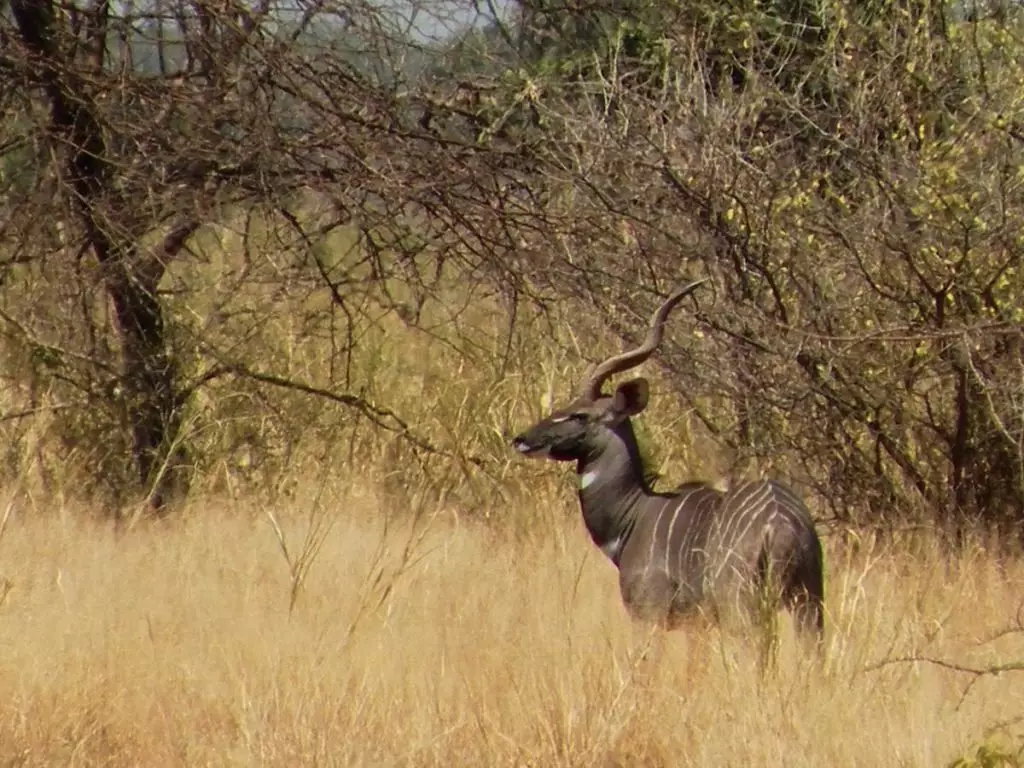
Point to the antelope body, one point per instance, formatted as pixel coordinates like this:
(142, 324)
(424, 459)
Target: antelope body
(692, 550)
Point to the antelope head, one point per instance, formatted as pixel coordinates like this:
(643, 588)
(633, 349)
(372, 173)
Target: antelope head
(581, 429)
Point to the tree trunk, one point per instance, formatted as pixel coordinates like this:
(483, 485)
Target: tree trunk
(131, 277)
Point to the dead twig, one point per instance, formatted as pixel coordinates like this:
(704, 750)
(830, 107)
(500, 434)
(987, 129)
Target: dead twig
(977, 673)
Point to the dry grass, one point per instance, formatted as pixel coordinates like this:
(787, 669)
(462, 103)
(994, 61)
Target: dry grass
(438, 642)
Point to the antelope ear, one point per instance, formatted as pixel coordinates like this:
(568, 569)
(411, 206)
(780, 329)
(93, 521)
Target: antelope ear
(631, 397)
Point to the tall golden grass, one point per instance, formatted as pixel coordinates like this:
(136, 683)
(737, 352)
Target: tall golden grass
(430, 639)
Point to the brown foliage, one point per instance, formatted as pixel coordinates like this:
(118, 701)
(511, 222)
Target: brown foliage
(139, 127)
(860, 216)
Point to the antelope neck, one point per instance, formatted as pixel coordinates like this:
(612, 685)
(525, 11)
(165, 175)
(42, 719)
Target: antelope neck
(611, 486)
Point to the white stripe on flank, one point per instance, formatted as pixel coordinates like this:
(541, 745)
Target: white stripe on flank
(611, 548)
(738, 525)
(671, 527)
(654, 539)
(587, 479)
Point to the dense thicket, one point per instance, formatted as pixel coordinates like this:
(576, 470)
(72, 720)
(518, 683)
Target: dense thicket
(848, 172)
(851, 176)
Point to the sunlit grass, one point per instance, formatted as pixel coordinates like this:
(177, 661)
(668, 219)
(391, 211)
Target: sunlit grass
(428, 640)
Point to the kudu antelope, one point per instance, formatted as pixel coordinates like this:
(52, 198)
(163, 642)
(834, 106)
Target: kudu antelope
(693, 550)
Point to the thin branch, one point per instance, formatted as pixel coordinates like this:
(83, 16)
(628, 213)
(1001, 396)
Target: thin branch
(993, 669)
(35, 411)
(977, 673)
(382, 417)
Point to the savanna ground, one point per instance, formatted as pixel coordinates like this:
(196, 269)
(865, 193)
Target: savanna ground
(425, 639)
